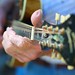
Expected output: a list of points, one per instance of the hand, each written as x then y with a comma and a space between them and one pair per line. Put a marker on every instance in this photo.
22, 48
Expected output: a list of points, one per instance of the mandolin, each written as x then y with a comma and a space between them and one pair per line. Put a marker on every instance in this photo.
26, 9
59, 38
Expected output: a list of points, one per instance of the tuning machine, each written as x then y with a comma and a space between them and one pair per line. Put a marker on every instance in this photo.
62, 31
45, 27
59, 56
50, 28
53, 55
62, 19
54, 45
56, 29
57, 18
48, 43
60, 46
62, 59
67, 16
43, 43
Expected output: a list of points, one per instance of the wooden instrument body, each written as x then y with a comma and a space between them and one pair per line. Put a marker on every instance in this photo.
28, 7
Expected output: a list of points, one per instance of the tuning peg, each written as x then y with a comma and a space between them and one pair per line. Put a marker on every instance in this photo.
62, 19
56, 29
54, 45
62, 31
69, 67
67, 16
53, 55
41, 43
50, 28
62, 59
57, 17
48, 43
58, 56
44, 27
61, 46
44, 43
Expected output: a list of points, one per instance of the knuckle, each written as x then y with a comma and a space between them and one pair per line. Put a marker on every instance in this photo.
39, 51
33, 57
21, 43
36, 55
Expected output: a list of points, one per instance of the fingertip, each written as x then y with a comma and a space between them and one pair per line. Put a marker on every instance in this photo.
9, 28
10, 31
36, 18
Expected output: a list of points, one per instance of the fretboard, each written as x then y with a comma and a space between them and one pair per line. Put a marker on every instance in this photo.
26, 30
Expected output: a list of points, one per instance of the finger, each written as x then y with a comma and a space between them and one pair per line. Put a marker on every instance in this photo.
33, 54
18, 56
15, 52
19, 41
8, 32
21, 55
10, 29
6, 42
15, 39
36, 18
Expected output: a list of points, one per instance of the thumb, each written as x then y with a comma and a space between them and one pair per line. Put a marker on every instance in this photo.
36, 18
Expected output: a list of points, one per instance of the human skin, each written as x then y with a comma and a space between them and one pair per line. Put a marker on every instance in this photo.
22, 48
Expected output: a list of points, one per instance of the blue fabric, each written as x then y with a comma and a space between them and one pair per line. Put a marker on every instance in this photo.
4, 58
35, 69
50, 8
4, 68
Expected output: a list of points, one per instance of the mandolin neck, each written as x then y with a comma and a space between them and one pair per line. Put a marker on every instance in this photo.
27, 30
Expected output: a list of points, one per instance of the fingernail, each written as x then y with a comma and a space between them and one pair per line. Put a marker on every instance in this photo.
7, 28
38, 13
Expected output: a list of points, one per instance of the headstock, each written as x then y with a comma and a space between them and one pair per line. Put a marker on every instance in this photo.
60, 38
66, 36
